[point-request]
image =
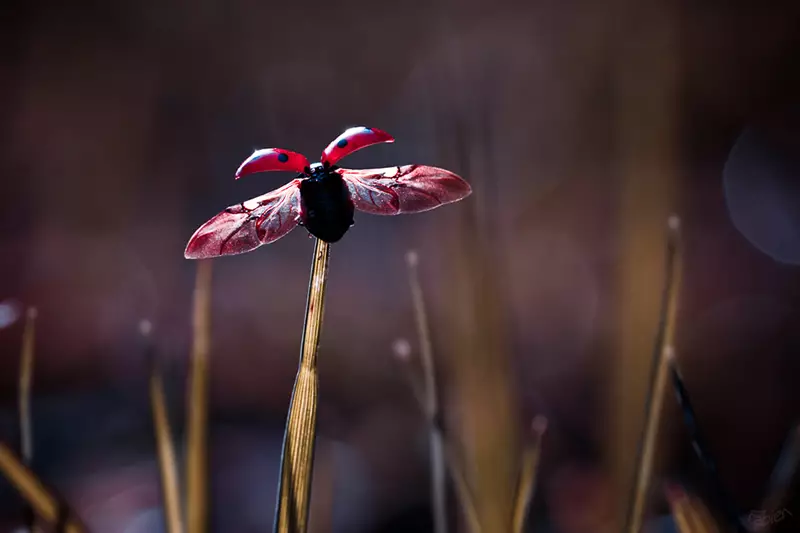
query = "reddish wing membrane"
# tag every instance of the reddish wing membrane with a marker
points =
(351, 140)
(246, 226)
(406, 189)
(271, 159)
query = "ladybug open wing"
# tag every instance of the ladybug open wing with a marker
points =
(272, 159)
(246, 226)
(351, 140)
(406, 189)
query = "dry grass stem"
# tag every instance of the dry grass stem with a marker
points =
(197, 424)
(689, 513)
(659, 379)
(25, 381)
(705, 522)
(465, 494)
(436, 444)
(167, 463)
(25, 384)
(43, 502)
(780, 481)
(681, 508)
(294, 487)
(527, 476)
(402, 351)
(723, 499)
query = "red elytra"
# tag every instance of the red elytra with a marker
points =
(323, 197)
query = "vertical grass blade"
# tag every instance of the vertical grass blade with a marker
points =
(527, 475)
(659, 379)
(682, 514)
(780, 481)
(705, 522)
(644, 83)
(436, 444)
(197, 424)
(689, 513)
(25, 418)
(42, 501)
(297, 461)
(167, 463)
(25, 381)
(702, 451)
(402, 352)
(480, 375)
(465, 494)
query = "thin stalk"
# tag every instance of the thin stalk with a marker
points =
(25, 384)
(25, 380)
(167, 463)
(784, 472)
(701, 449)
(402, 351)
(297, 462)
(464, 491)
(705, 522)
(438, 474)
(527, 475)
(682, 513)
(658, 382)
(44, 503)
(197, 443)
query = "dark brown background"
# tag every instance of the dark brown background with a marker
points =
(124, 121)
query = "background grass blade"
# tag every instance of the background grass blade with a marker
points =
(527, 474)
(723, 499)
(436, 444)
(44, 503)
(780, 482)
(705, 522)
(26, 361)
(681, 509)
(659, 378)
(197, 424)
(466, 498)
(167, 463)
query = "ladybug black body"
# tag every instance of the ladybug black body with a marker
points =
(326, 207)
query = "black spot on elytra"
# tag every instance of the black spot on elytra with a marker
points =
(342, 143)
(283, 158)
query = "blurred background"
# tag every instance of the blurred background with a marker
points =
(581, 125)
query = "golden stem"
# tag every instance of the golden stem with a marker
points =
(294, 488)
(663, 359)
(644, 138)
(682, 511)
(167, 463)
(438, 487)
(197, 445)
(465, 494)
(527, 477)
(44, 504)
(705, 523)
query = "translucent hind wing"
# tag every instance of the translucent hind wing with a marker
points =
(406, 189)
(246, 226)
